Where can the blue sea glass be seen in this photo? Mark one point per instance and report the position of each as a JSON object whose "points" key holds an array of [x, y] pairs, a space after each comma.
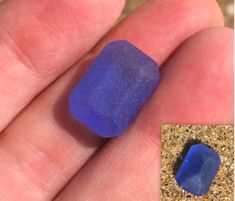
{"points": [[114, 89], [198, 169]]}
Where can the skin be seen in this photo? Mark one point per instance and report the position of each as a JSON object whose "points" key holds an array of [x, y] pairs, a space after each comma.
{"points": [[46, 47]]}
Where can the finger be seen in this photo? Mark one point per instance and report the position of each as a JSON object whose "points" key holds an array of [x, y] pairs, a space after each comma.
{"points": [[196, 88], [59, 145], [166, 24], [40, 39]]}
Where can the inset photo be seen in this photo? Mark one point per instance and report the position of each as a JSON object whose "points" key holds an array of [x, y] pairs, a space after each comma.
{"points": [[197, 162]]}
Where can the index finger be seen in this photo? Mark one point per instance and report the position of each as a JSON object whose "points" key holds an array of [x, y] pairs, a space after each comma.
{"points": [[39, 40]]}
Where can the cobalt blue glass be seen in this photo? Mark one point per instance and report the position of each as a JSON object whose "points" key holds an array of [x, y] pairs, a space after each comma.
{"points": [[198, 169], [113, 90]]}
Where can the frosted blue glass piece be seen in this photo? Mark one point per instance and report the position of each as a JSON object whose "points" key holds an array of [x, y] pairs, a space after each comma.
{"points": [[198, 169], [114, 89]]}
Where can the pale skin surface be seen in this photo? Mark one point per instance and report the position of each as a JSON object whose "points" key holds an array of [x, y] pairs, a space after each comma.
{"points": [[44, 153]]}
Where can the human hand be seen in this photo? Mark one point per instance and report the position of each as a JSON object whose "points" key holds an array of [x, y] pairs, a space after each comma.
{"points": [[45, 153]]}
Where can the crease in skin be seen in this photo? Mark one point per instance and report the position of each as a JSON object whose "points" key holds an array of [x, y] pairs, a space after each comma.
{"points": [[103, 11], [15, 49], [51, 40], [63, 4], [16, 174], [20, 167], [45, 158], [9, 190]]}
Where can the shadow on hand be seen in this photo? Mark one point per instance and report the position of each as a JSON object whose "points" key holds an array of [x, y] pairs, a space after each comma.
{"points": [[65, 120]]}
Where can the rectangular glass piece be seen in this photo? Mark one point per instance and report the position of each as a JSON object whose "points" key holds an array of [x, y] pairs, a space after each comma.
{"points": [[114, 89], [198, 169]]}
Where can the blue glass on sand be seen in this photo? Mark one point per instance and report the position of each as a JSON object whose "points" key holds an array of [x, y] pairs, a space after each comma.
{"points": [[113, 90], [198, 169]]}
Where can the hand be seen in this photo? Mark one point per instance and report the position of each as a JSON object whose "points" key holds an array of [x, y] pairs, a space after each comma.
{"points": [[44, 153]]}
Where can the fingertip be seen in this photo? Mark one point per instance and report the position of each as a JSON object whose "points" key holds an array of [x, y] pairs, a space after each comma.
{"points": [[205, 65], [112, 8], [218, 51], [201, 13], [212, 8], [216, 44]]}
